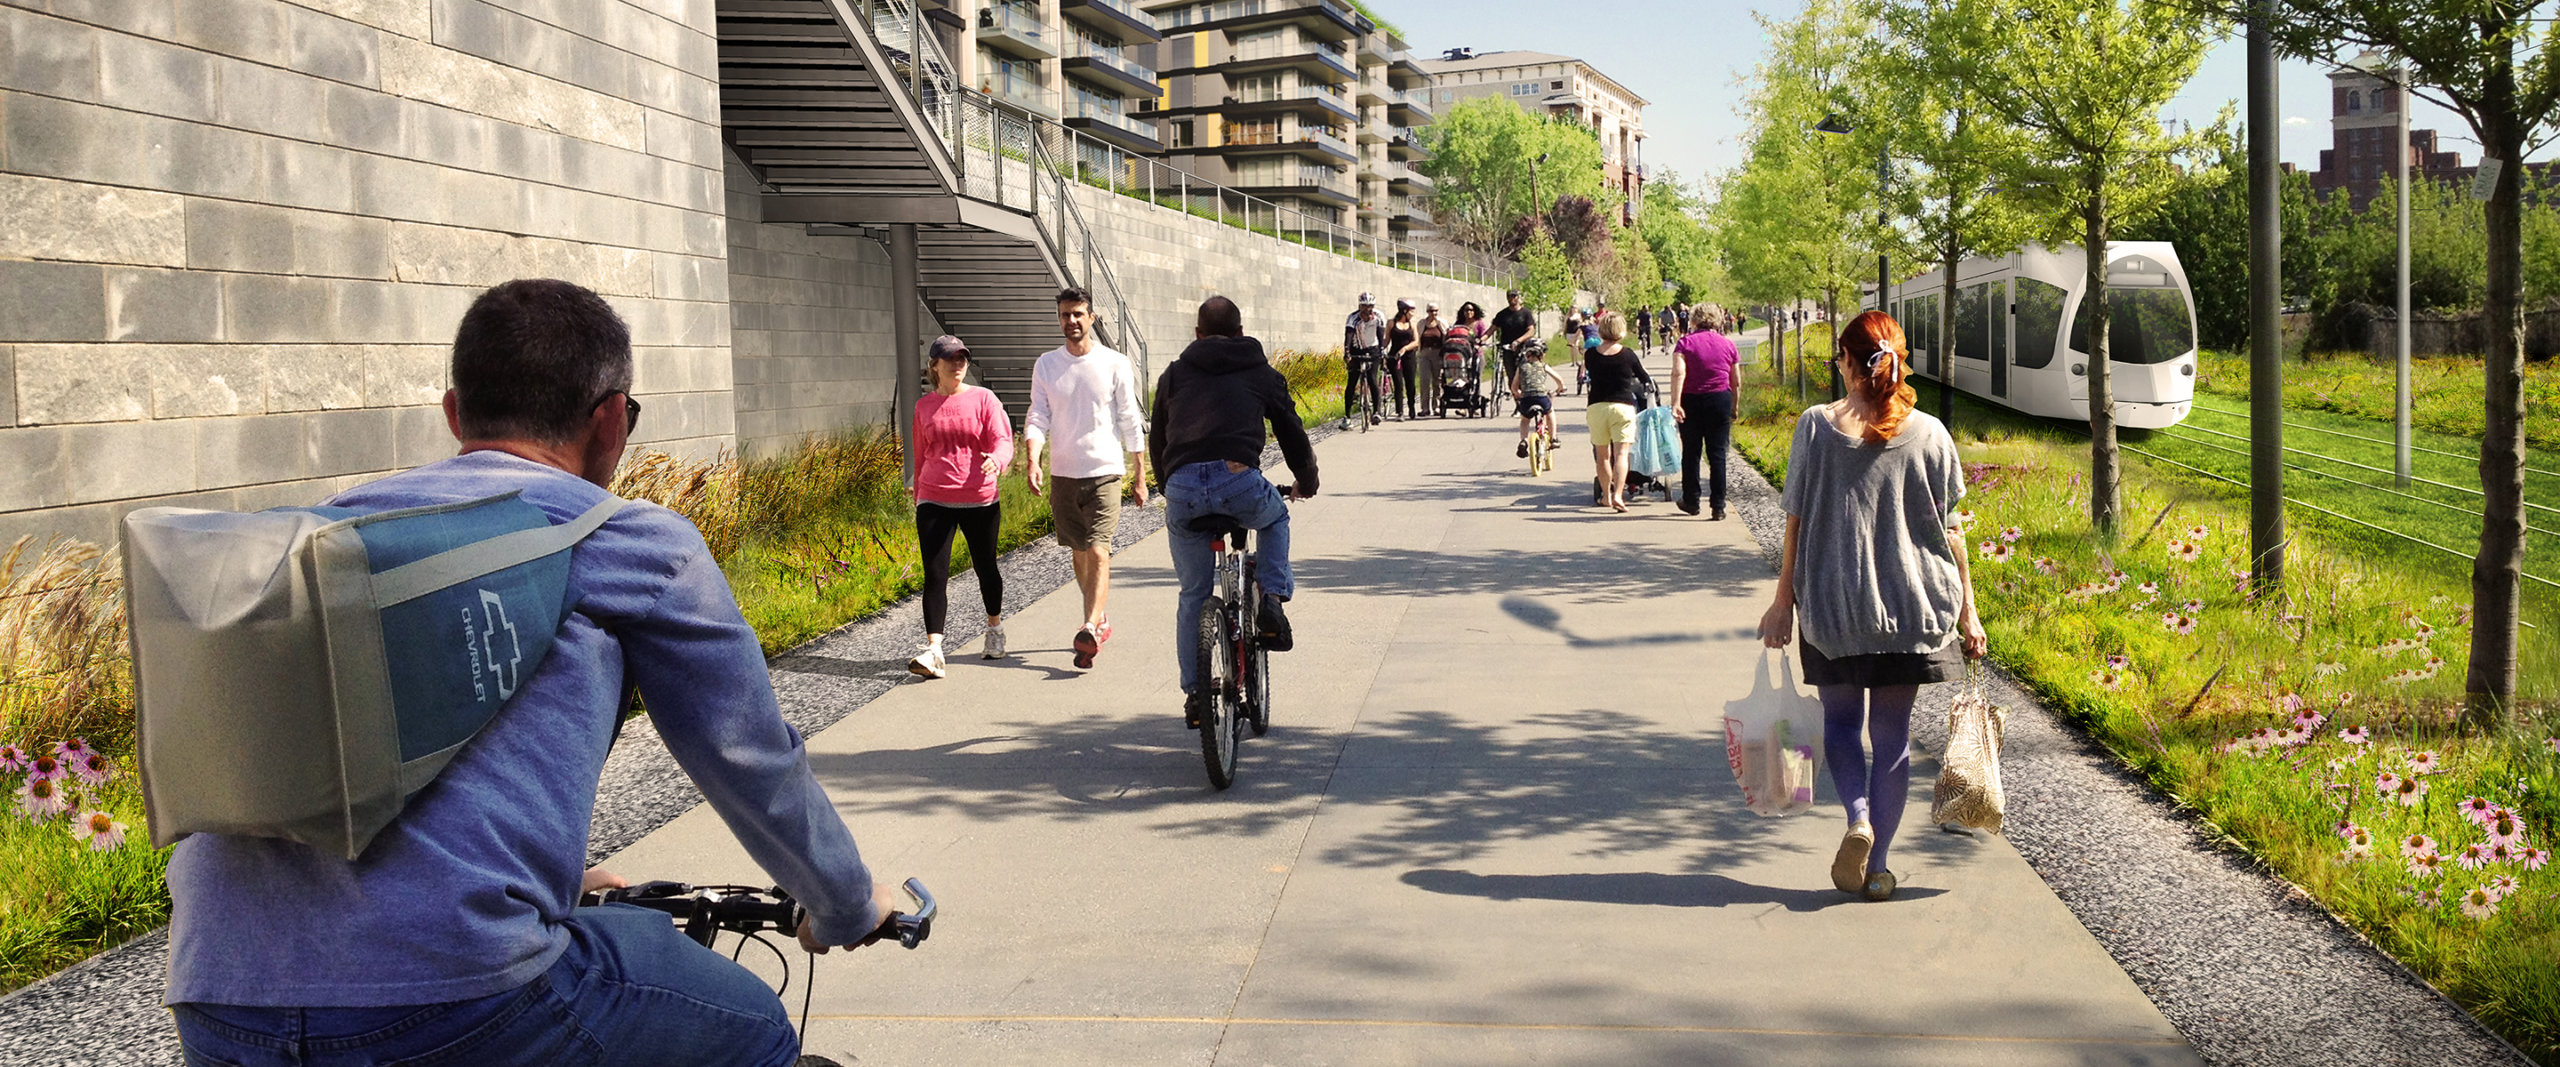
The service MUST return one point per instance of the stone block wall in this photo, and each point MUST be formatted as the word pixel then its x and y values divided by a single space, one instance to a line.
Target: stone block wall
pixel 236 235
pixel 810 332
pixel 1294 297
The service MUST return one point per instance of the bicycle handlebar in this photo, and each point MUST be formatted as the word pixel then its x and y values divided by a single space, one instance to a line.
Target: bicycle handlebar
pixel 708 909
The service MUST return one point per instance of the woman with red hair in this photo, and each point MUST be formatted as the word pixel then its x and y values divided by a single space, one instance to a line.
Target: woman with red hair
pixel 1876 579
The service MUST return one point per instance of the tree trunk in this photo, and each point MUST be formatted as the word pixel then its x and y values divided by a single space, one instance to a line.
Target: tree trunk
pixel 1831 326
pixel 2102 416
pixel 2497 575
pixel 1777 347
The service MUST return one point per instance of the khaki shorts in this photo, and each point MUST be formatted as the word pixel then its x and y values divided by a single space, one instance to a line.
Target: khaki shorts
pixel 1612 424
pixel 1086 511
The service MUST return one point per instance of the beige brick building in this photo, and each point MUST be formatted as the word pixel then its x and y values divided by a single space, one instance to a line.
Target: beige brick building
pixel 1562 86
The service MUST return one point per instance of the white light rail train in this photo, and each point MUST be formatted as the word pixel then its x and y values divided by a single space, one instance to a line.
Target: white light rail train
pixel 2011 348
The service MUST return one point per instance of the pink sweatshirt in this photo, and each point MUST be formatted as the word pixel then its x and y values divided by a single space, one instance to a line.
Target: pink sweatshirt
pixel 954 434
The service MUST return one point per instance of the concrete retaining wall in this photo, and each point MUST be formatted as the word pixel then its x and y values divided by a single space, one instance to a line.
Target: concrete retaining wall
pixel 238 233
pixel 810 333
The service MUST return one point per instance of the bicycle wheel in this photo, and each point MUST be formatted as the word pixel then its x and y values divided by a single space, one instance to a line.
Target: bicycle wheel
pixel 1218 674
pixel 1257 684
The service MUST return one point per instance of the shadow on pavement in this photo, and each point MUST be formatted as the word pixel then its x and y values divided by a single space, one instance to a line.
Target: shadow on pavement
pixel 1667 890
pixel 1603 572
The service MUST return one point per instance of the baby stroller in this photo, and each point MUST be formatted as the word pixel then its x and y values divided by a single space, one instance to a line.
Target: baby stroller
pixel 1656 455
pixel 1462 371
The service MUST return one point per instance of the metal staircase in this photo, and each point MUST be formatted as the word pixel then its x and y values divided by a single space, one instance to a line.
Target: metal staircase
pixel 848 113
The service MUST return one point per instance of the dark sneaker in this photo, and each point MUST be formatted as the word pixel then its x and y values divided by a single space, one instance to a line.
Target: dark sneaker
pixel 1717 515
pixel 1087 646
pixel 1523 450
pixel 1195 706
pixel 1273 626
pixel 1689 507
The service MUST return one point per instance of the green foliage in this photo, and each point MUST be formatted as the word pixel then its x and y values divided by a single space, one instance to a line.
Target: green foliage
pixel 2206 215
pixel 1549 282
pixel 66 902
pixel 1790 217
pixel 1674 226
pixel 1484 159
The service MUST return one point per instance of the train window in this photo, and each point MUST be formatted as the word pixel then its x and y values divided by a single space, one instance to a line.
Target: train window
pixel 2144 326
pixel 1972 325
pixel 2039 322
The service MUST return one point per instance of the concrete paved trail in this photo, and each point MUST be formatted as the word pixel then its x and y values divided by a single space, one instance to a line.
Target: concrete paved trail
pixel 1491 824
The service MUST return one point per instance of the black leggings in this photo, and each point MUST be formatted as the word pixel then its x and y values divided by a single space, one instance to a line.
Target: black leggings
pixel 1360 370
pixel 1400 380
pixel 1707 424
pixel 935 523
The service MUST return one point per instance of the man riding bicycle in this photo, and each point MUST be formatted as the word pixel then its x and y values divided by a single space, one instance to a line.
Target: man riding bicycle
pixel 458 927
pixel 1510 325
pixel 1364 348
pixel 1206 438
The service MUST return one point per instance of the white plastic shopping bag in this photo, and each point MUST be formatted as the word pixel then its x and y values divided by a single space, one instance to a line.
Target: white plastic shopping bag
pixel 1773 739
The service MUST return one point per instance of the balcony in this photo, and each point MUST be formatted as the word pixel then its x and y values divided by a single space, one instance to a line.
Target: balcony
pixel 1409 107
pixel 1407 145
pixel 1374 167
pixel 1020 92
pixel 1305 141
pixel 1100 120
pixel 1296 178
pixel 1373 88
pixel 1118 21
pixel 1016 30
pixel 1375 132
pixel 1110 69
pixel 1404 71
pixel 1324 18
pixel 1404 212
pixel 1322 61
pixel 1322 99
pixel 1407 180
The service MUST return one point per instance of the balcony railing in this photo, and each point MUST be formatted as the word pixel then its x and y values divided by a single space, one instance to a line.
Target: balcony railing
pixel 1198 14
pixel 1081 108
pixel 1133 11
pixel 1114 58
pixel 1292 174
pixel 1300 91
pixel 1016 28
pixel 1021 92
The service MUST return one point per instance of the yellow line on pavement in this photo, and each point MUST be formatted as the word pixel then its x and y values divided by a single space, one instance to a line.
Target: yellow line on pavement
pixel 1631 1028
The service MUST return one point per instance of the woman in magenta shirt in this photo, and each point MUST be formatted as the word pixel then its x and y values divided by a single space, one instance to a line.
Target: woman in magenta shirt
pixel 963 442
pixel 1706 375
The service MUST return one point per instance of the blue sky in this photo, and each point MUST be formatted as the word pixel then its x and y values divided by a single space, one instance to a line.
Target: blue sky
pixel 1689 60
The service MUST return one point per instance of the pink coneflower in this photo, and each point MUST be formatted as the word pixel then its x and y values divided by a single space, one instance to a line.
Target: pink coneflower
pixel 2430 667
pixel 2192 607
pixel 2423 762
pixel 45 765
pixel 101 831
pixel 2346 697
pixel 2503 828
pixel 1962 518
pixel 2532 859
pixel 2341 765
pixel 2119 663
pixel 2427 899
pixel 2502 854
pixel 2106 679
pixel 2386 783
pixel 42 798
pixel 2046 565
pixel 2478 904
pixel 12 760
pixel 2359 845
pixel 2012 534
pixel 2185 551
pixel 2502 886
pixel 2417 845
pixel 2411 791
pixel 2473 856
pixel 2353 735
pixel 2425 865
pixel 2001 553
pixel 70 748
pixel 2288 737
pixel 2555 746
pixel 2307 720
pixel 2181 625
pixel 2198 533
pixel 2476 809
pixel 93 767
pixel 2148 589
pixel 1987 548
pixel 2255 742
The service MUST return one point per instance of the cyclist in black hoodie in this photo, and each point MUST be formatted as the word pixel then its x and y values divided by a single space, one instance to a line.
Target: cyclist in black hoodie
pixel 1206 440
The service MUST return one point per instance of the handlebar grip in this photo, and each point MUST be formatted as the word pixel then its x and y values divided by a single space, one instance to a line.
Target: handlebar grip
pixel 911 929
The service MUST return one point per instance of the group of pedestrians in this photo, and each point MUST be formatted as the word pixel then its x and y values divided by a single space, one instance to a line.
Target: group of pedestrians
pixel 1404 364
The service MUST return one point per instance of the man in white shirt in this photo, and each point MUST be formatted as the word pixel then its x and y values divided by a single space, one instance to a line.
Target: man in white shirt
pixel 1084 399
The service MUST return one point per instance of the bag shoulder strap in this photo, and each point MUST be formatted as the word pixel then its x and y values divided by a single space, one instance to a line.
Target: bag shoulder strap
pixel 410 581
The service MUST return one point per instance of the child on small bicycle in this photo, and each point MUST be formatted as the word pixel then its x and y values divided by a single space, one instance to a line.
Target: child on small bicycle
pixel 1535 384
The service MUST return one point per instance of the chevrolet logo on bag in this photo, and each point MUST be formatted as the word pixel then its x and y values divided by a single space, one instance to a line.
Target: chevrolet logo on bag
pixel 493 617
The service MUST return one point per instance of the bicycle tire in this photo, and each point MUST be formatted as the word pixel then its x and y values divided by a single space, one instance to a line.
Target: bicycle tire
pixel 1218 674
pixel 1257 686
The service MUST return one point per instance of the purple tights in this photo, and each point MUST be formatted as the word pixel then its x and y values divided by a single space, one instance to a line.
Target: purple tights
pixel 1878 793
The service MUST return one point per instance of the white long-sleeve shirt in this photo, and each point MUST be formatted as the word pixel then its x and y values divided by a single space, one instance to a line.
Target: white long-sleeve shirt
pixel 1086 410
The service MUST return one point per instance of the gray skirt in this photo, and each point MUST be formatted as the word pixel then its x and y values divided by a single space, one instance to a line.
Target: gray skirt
pixel 1883 668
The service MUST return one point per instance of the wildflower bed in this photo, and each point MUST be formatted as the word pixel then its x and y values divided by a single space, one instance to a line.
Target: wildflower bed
pixel 810 540
pixel 2314 732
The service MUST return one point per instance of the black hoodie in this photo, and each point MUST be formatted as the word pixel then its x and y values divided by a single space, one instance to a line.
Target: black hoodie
pixel 1211 405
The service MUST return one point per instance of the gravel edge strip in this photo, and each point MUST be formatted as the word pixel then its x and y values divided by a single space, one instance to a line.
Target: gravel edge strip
pixel 106 1010
pixel 2245 964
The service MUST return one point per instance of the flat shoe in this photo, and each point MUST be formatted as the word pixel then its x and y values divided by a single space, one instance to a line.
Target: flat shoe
pixel 1849 867
pixel 1880 886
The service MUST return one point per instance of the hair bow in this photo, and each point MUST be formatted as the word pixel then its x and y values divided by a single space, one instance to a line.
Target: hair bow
pixel 1883 364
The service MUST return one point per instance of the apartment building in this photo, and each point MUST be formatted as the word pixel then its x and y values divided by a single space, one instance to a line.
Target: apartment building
pixel 1082 62
pixel 1306 103
pixel 1562 86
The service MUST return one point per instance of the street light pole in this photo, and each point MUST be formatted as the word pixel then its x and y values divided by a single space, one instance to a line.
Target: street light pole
pixel 2266 367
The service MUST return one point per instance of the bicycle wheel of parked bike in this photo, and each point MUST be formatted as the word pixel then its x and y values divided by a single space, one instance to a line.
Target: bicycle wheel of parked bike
pixel 1218 673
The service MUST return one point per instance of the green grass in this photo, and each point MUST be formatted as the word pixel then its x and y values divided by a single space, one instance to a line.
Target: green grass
pixel 2184 699
pixel 66 902
pixel 2445 392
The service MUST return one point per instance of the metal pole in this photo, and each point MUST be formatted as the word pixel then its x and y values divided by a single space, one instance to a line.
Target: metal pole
pixel 1884 174
pixel 906 339
pixel 2400 373
pixel 2266 295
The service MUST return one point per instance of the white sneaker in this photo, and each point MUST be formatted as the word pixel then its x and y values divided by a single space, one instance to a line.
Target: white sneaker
pixel 995 643
pixel 928 663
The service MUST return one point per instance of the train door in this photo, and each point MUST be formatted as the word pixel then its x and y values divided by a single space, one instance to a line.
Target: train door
pixel 1997 318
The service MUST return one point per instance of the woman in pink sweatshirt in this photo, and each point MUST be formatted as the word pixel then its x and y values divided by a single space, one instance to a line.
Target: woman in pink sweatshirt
pixel 963 442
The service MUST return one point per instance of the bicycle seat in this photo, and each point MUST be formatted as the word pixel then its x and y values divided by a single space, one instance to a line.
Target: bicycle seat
pixel 1222 525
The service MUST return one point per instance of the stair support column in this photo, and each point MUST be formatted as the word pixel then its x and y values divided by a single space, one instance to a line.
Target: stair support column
pixel 906 382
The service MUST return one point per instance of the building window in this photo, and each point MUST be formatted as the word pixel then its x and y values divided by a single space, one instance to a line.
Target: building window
pixel 2355 100
pixel 1555 85
pixel 1183 135
pixel 1266 44
pixel 1254 88
pixel 1266 131
pixel 1524 89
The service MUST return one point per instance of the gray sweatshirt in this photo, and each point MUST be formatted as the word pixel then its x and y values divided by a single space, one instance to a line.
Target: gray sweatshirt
pixel 1875 570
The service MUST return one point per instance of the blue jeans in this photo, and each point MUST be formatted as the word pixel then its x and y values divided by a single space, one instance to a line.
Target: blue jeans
pixel 1211 489
pixel 630 989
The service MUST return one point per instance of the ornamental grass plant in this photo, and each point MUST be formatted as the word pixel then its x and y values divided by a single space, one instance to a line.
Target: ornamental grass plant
pixel 2313 730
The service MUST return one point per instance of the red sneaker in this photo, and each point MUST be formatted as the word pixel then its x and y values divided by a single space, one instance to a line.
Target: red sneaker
pixel 1088 644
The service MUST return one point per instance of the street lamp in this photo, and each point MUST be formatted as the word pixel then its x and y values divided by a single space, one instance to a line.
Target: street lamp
pixel 2374 64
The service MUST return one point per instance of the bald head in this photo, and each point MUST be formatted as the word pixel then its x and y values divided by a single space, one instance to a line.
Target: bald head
pixel 1220 317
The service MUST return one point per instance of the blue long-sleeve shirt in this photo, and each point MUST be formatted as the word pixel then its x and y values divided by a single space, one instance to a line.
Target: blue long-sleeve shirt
pixel 464 894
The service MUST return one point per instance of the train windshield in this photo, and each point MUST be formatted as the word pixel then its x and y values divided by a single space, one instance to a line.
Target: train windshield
pixel 2145 325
